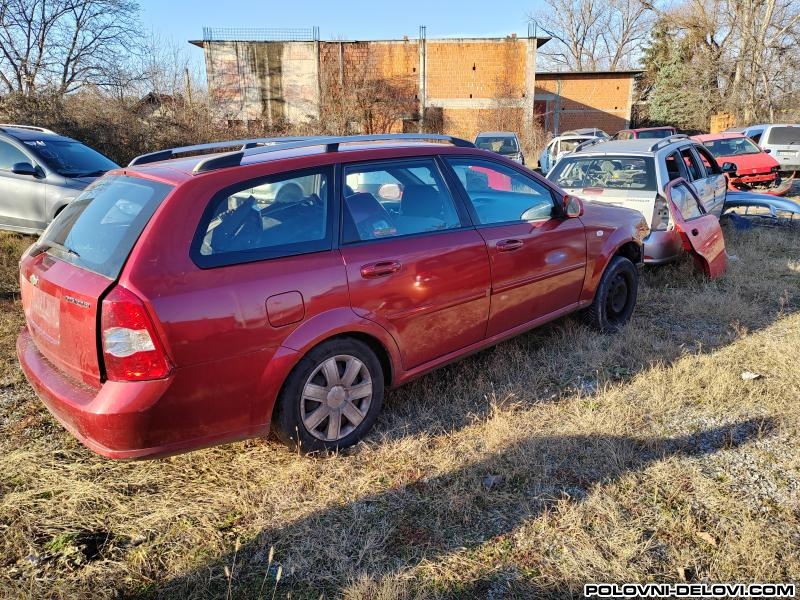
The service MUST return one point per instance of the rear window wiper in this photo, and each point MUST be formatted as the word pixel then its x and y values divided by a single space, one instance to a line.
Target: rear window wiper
pixel 44 246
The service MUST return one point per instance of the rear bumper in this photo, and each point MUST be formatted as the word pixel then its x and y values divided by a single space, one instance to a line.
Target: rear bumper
pixel 662 247
pixel 121 420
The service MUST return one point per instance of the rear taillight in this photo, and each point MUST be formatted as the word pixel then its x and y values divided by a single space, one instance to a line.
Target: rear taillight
pixel 131 348
pixel 660 214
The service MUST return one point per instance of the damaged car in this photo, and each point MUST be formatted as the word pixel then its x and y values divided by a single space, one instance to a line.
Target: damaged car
pixel 755 169
pixel 637 174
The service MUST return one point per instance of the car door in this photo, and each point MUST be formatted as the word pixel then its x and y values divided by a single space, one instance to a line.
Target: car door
pixel 22 197
pixel 715 179
pixel 414 263
pixel 537 257
pixel 697 177
pixel 546 159
pixel 700 231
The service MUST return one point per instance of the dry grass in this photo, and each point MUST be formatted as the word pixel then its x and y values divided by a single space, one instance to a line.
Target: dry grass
pixel 560 457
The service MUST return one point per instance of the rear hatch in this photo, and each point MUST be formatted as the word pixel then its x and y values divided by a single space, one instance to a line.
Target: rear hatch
pixel 784 143
pixel 64 276
pixel 627 181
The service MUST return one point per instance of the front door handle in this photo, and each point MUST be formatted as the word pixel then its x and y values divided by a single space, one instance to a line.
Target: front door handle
pixel 380 269
pixel 509 245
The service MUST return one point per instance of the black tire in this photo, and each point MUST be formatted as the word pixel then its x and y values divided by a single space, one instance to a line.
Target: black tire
pixel 615 298
pixel 292 405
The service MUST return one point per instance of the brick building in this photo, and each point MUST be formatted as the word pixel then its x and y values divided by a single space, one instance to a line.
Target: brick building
pixel 457 86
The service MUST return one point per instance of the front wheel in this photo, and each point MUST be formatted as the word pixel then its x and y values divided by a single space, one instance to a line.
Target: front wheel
pixel 615 298
pixel 332 397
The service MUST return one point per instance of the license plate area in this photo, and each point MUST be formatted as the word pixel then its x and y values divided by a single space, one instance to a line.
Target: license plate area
pixel 44 315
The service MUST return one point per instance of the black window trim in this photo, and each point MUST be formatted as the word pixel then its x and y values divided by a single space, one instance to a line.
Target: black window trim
pixel 461 213
pixel 703 152
pixel 554 195
pixel 272 252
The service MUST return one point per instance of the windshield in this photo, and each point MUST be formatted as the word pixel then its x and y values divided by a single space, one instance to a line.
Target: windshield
pixel 732 147
pixel 784 136
pixel 97 230
pixel 70 158
pixel 501 144
pixel 617 172
pixel 654 134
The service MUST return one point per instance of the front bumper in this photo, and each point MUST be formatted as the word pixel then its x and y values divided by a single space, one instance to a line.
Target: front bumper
pixel 662 247
pixel 751 179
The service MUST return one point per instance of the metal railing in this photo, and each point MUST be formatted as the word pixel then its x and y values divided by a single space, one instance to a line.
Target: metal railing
pixel 260 34
pixel 195 149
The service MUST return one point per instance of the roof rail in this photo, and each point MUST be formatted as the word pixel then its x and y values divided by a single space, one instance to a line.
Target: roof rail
pixel 668 140
pixel 587 143
pixel 331 144
pixel 26 127
pixel 170 153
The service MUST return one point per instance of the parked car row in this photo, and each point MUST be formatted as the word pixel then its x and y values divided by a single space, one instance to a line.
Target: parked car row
pixel 208 293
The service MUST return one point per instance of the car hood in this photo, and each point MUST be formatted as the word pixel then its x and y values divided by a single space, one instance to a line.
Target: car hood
pixel 749 164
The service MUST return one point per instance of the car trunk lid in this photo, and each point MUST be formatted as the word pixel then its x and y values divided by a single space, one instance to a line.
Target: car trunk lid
pixel 65 275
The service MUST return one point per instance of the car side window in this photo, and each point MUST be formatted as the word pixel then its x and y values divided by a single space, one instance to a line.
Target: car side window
pixel 686 202
pixel 692 166
pixel 267 218
pixel 755 135
pixel 708 160
pixel 9 156
pixel 675 166
pixel 395 198
pixel 500 194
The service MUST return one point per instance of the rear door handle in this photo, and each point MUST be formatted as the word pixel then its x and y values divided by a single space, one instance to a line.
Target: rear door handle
pixel 509 245
pixel 380 269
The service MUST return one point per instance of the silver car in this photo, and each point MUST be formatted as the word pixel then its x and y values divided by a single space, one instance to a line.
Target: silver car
pixel 40 173
pixel 634 174
pixel 781 141
pixel 501 142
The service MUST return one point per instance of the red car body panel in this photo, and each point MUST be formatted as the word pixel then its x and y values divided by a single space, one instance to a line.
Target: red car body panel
pixel 233 334
pixel 701 236
pixel 755 168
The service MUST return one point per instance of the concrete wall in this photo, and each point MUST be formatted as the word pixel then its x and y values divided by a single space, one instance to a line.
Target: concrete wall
pixel 272 82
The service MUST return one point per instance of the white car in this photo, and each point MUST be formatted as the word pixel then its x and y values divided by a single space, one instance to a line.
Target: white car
pixel 635 173
pixel 559 147
pixel 781 141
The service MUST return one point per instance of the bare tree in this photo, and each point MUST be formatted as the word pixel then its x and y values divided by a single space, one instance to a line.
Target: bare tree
pixel 65 44
pixel 590 35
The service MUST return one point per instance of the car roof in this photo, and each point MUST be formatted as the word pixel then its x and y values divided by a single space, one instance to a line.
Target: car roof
pixel 25 134
pixel 182 168
pixel 496 133
pixel 634 147
pixel 710 137
pixel 637 129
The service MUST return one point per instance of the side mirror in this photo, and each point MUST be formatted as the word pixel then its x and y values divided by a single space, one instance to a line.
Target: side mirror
pixel 572 207
pixel 729 167
pixel 767 150
pixel 24 168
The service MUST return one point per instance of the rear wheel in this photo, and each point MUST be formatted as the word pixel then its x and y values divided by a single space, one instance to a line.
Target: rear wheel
pixel 332 397
pixel 615 298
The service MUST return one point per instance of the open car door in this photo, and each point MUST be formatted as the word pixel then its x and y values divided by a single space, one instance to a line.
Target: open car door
pixel 700 231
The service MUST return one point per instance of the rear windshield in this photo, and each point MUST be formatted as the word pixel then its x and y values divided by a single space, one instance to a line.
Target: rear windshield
pixel 70 158
pixel 98 230
pixel 784 136
pixel 732 147
pixel 655 134
pixel 500 144
pixel 608 172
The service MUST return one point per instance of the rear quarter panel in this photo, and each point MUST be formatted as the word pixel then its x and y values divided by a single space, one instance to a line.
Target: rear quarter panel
pixel 608 228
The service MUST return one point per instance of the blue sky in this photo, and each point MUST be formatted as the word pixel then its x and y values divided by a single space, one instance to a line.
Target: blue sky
pixel 348 19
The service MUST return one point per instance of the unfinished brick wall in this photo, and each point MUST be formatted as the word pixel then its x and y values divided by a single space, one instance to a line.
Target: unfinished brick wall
pixel 476 68
pixel 576 100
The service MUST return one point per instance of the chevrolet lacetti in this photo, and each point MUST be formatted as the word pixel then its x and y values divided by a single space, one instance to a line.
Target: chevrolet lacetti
pixel 192 299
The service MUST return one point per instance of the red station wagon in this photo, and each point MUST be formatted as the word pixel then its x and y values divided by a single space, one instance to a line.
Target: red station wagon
pixel 188 301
